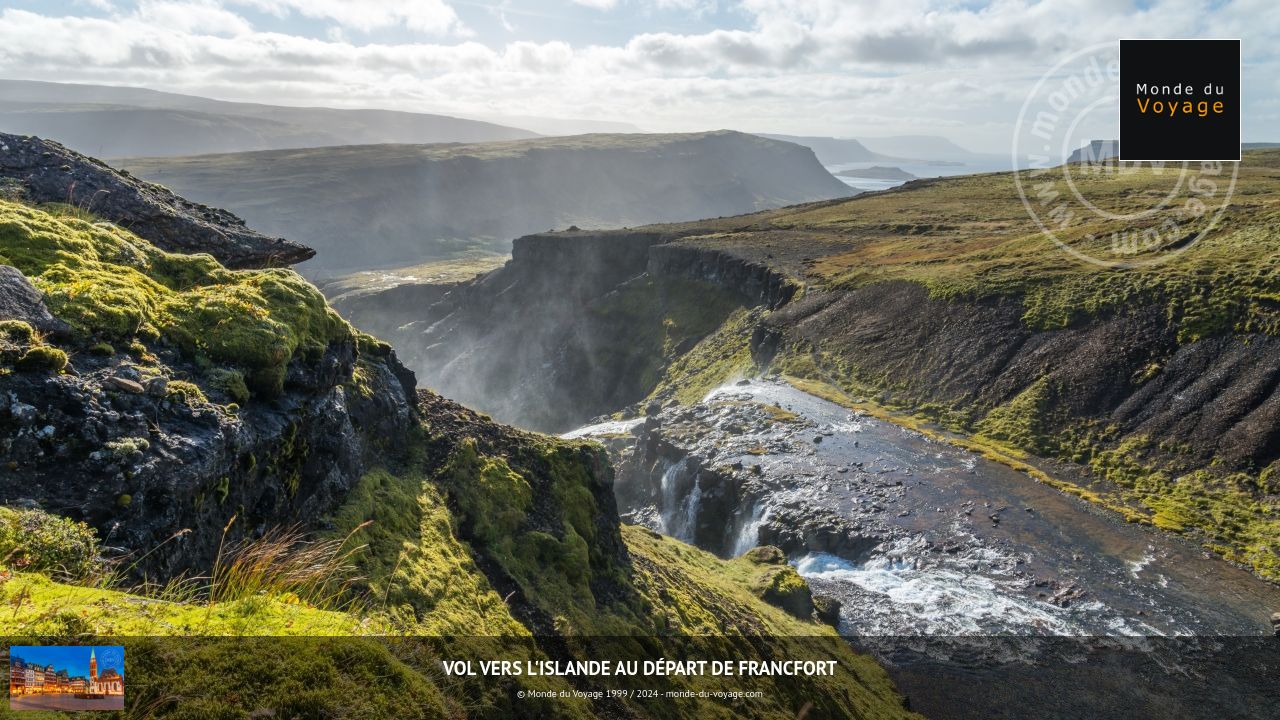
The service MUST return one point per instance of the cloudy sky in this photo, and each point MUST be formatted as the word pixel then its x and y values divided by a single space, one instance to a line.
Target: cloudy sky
pixel 826 67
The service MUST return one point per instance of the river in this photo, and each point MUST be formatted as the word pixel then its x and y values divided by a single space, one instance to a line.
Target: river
pixel 937 544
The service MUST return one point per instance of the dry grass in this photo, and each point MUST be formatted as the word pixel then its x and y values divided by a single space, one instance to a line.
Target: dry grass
pixel 284 563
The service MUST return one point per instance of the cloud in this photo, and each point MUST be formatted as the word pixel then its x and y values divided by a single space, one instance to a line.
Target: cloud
pixel 192 16
pixel 426 16
pixel 597 4
pixel 801 66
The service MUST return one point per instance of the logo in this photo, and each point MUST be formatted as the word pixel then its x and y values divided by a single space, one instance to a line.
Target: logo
pixel 1096 207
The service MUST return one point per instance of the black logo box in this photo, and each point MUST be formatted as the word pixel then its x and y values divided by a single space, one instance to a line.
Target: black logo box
pixel 1184 65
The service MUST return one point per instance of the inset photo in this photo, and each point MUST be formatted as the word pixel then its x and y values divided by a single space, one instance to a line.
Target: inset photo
pixel 68 678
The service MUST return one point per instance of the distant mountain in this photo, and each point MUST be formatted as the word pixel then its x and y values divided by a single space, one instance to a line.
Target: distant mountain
pixel 380 206
pixel 831 151
pixel 919 147
pixel 108 121
pixel 563 126
pixel 1096 151
pixel 878 172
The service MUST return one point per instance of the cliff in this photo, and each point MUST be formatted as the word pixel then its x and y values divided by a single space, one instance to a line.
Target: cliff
pixel 1150 391
pixel 380 206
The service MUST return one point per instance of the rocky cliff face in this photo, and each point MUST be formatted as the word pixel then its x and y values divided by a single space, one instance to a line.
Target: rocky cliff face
pixel 577 323
pixel 156 395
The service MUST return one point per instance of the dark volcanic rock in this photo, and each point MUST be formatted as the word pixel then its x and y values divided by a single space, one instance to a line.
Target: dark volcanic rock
pixel 48 172
pixel 154 473
pixel 20 300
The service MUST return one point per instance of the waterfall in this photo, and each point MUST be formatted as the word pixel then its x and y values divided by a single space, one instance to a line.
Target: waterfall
pixel 749 534
pixel 670 495
pixel 688 528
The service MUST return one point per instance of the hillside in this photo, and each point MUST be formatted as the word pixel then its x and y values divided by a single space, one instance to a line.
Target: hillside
pixel 1150 391
pixel 204 452
pixel 365 207
pixel 832 151
pixel 108 121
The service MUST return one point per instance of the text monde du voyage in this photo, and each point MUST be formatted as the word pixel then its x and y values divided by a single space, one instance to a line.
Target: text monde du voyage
pixel 1181 99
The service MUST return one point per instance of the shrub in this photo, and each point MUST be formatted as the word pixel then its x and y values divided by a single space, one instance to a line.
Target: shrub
pixel 42 358
pixel 38 541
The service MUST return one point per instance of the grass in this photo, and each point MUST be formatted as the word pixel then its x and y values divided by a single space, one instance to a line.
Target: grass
pixel 284 562
pixel 969 238
pixel 435 272
pixel 719 357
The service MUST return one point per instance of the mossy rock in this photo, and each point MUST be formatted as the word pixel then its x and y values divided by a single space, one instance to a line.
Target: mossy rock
pixel 112 286
pixel 17 331
pixel 784 588
pixel 765 555
pixel 42 358
pixel 230 382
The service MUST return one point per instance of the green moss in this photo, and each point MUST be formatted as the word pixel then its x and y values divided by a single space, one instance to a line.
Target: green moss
pixel 42 358
pixel 783 587
pixel 110 612
pixel 37 541
pixel 719 357
pixel 18 331
pixel 111 285
pixel 370 345
pixel 102 349
pixel 231 382
pixel 185 392
pixel 1023 420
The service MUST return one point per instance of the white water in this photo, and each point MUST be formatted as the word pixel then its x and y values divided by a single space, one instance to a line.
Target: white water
pixel 612 427
pixel 749 535
pixel 670 499
pixel 936 601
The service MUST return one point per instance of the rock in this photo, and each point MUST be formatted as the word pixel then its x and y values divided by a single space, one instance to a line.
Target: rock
pixel 150 211
pixel 766 555
pixel 827 609
pixel 1275 623
pixel 157 386
pixel 125 384
pixel 20 300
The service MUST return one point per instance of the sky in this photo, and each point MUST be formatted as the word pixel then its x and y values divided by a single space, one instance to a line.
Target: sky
pixel 73 659
pixel 840 68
